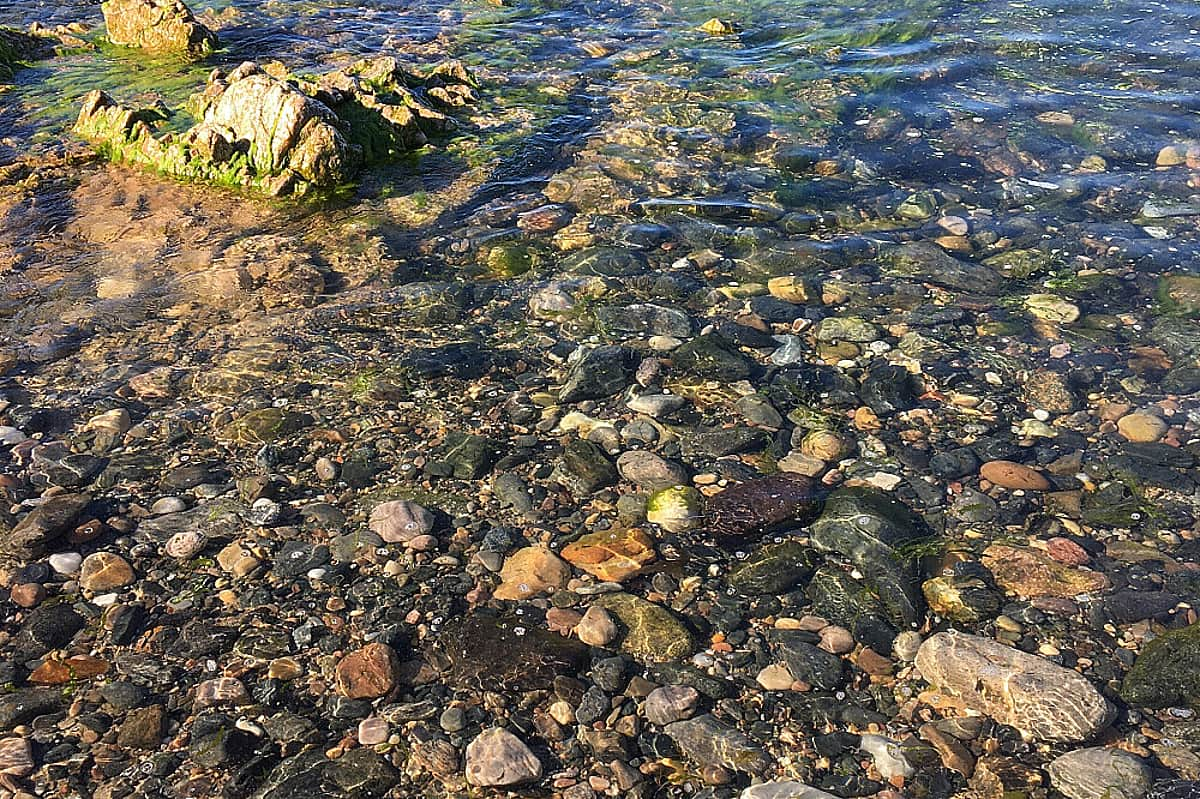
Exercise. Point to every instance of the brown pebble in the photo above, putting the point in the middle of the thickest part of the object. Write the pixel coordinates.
(27, 595)
(1013, 476)
(104, 571)
(1064, 550)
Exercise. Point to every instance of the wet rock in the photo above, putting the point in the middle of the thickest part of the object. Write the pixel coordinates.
(887, 755)
(611, 555)
(783, 789)
(954, 463)
(45, 628)
(1167, 671)
(842, 599)
(597, 627)
(889, 389)
(871, 530)
(651, 632)
(670, 703)
(1008, 474)
(142, 728)
(929, 263)
(597, 372)
(1050, 391)
(282, 136)
(16, 758)
(300, 775)
(220, 692)
(756, 506)
(368, 673)
(964, 598)
(24, 705)
(531, 571)
(705, 739)
(649, 471)
(605, 262)
(712, 356)
(470, 456)
(1029, 572)
(1175, 789)
(498, 758)
(584, 468)
(806, 662)
(1038, 697)
(362, 772)
(773, 569)
(157, 26)
(44, 524)
(676, 509)
(646, 319)
(1099, 773)
(1141, 427)
(493, 654)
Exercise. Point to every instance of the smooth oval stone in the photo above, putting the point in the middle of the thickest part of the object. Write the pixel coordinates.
(372, 731)
(1038, 697)
(104, 571)
(165, 505)
(65, 563)
(1014, 476)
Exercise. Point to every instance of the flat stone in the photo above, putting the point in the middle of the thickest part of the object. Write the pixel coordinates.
(400, 521)
(1141, 427)
(1038, 697)
(142, 728)
(650, 471)
(43, 525)
(611, 555)
(773, 569)
(670, 703)
(16, 757)
(652, 634)
(784, 789)
(706, 740)
(485, 652)
(1030, 572)
(498, 758)
(1099, 773)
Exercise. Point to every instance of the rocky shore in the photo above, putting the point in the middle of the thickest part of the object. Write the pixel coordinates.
(579, 476)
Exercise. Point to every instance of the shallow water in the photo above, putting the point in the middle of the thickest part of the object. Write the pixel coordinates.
(952, 97)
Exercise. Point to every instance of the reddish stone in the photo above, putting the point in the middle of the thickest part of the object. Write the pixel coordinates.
(1064, 550)
(368, 673)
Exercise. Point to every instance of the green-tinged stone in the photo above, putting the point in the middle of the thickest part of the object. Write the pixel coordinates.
(773, 569)
(1167, 672)
(485, 652)
(712, 356)
(652, 633)
(676, 509)
(1020, 264)
(264, 426)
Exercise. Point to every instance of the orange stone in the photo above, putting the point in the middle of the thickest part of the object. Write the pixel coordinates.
(76, 667)
(368, 673)
(611, 555)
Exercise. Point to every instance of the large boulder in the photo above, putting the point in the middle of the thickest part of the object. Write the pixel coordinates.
(268, 131)
(157, 26)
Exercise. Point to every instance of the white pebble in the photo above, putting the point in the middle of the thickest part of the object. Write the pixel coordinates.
(65, 562)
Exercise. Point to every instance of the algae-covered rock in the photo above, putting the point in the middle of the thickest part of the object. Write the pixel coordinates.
(17, 47)
(157, 26)
(283, 136)
(651, 632)
(1167, 672)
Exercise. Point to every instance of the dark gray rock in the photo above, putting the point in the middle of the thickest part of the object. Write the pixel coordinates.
(598, 373)
(806, 662)
(929, 263)
(43, 525)
(646, 319)
(871, 529)
(773, 569)
(712, 356)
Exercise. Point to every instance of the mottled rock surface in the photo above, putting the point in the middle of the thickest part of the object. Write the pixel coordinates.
(156, 26)
(1028, 692)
